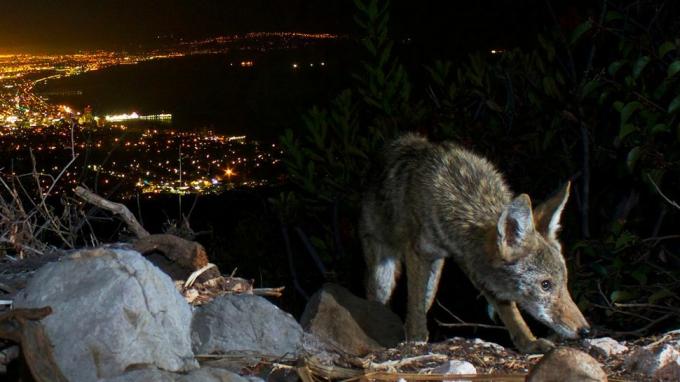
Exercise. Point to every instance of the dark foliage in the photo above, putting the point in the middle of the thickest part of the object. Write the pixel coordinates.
(596, 103)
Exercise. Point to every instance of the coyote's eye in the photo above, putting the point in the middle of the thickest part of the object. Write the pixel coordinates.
(546, 285)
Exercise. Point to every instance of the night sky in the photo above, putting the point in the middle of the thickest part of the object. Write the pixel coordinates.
(68, 25)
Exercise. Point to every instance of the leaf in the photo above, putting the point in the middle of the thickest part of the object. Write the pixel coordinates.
(674, 105)
(660, 128)
(599, 269)
(589, 87)
(625, 131)
(550, 87)
(640, 65)
(580, 30)
(613, 15)
(548, 47)
(633, 156)
(660, 295)
(628, 110)
(673, 69)
(615, 66)
(665, 48)
(640, 275)
(493, 106)
(360, 4)
(621, 296)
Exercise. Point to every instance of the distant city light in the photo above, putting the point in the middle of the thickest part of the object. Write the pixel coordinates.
(295, 66)
(497, 51)
(122, 117)
(134, 116)
(323, 63)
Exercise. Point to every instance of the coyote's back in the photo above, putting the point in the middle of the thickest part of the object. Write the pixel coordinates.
(433, 201)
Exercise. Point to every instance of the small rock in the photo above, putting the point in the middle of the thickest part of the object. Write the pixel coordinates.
(655, 361)
(245, 324)
(454, 367)
(605, 346)
(352, 324)
(485, 344)
(567, 365)
(204, 374)
(208, 374)
(112, 310)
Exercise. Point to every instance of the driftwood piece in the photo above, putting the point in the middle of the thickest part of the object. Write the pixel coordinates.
(176, 256)
(116, 208)
(20, 326)
(188, 254)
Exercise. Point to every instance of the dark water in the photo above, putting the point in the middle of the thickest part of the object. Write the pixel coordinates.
(214, 91)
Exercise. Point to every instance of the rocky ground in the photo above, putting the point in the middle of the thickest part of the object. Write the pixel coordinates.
(115, 317)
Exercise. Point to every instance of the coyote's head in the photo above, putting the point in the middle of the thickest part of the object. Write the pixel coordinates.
(533, 265)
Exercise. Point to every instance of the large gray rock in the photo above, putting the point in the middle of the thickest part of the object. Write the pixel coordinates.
(352, 324)
(246, 325)
(567, 365)
(659, 362)
(112, 311)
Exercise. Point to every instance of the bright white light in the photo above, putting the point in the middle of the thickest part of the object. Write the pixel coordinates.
(122, 117)
(295, 66)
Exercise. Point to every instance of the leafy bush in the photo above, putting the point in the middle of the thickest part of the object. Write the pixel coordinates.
(597, 105)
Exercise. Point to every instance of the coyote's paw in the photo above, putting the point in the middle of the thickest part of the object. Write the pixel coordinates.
(537, 346)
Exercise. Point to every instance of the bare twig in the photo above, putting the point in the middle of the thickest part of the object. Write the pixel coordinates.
(116, 208)
(461, 323)
(270, 292)
(669, 201)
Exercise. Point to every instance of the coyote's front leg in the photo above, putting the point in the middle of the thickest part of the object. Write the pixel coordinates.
(520, 333)
(423, 279)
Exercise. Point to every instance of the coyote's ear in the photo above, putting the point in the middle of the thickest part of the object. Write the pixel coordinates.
(515, 224)
(547, 215)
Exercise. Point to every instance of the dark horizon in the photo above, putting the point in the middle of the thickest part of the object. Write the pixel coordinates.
(48, 26)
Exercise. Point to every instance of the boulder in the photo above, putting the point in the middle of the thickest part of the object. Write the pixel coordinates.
(605, 346)
(112, 311)
(245, 325)
(656, 361)
(567, 365)
(349, 323)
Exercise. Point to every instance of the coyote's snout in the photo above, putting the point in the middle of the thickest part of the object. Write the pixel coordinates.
(436, 201)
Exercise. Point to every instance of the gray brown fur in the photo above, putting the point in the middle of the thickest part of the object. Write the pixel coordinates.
(433, 201)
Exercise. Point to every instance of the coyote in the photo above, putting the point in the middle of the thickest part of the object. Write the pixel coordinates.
(433, 201)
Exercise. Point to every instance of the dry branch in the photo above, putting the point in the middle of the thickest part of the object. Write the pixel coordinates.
(270, 292)
(313, 370)
(20, 326)
(116, 208)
